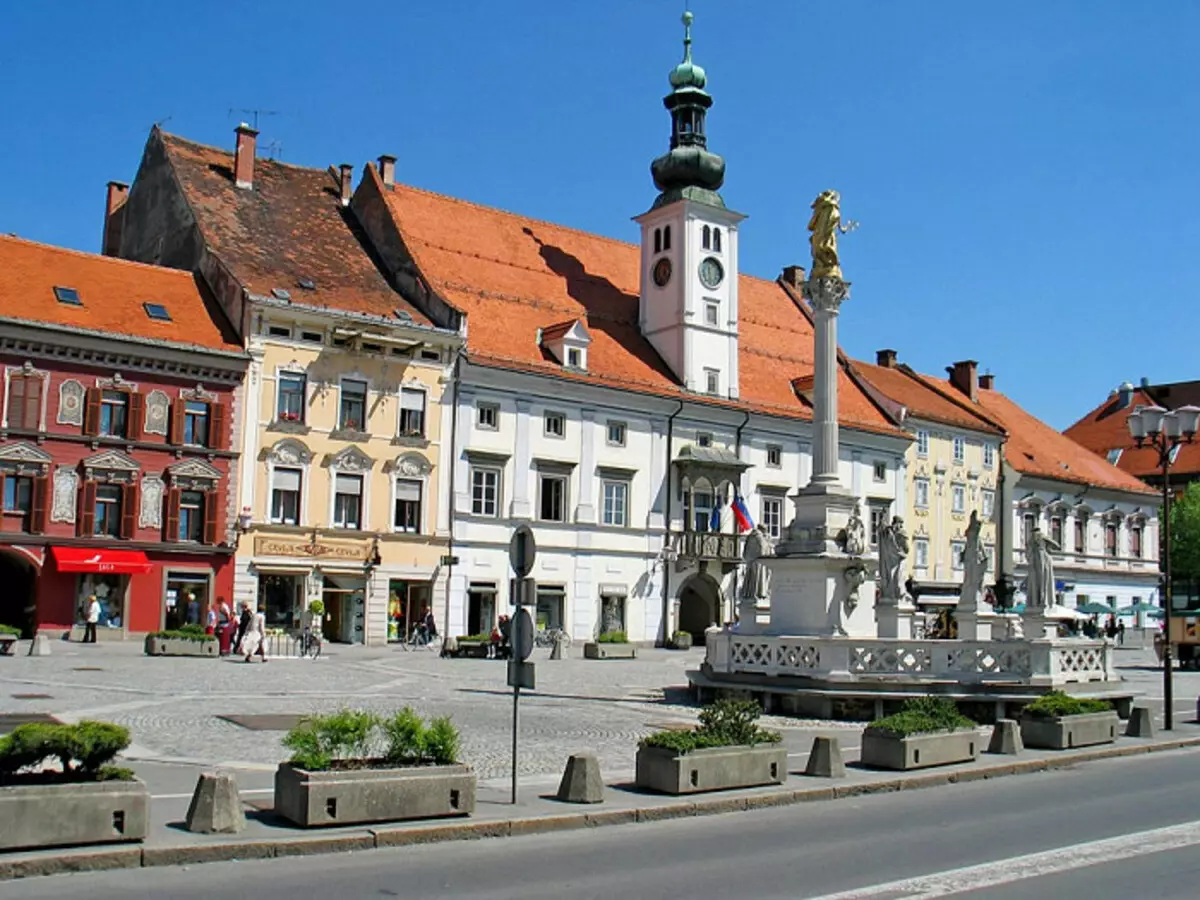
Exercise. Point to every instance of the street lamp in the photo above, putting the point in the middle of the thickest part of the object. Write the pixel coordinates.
(1165, 430)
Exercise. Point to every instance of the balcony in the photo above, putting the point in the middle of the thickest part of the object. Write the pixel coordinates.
(706, 546)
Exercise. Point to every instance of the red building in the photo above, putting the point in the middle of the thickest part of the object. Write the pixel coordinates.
(116, 467)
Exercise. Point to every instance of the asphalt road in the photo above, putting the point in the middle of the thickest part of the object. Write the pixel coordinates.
(1115, 829)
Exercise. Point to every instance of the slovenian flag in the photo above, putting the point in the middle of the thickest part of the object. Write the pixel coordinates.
(741, 515)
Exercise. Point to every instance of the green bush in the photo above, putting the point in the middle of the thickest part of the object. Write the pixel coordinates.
(9, 629)
(405, 733)
(726, 723)
(184, 634)
(612, 637)
(1056, 703)
(319, 742)
(350, 738)
(482, 638)
(441, 742)
(923, 715)
(317, 607)
(82, 750)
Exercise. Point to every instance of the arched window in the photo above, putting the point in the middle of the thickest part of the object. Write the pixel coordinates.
(667, 238)
(706, 238)
(658, 240)
(717, 239)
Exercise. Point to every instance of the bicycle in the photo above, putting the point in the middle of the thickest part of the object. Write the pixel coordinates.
(308, 644)
(421, 639)
(546, 637)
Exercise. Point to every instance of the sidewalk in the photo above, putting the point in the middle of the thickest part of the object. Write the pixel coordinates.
(265, 836)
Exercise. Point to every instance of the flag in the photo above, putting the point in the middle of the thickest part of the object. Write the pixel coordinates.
(741, 515)
(714, 520)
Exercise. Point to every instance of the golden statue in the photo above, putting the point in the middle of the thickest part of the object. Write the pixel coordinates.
(826, 225)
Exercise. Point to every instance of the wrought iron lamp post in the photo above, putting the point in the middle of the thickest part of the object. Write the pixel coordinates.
(1165, 430)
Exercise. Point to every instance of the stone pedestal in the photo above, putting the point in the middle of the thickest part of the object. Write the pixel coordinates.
(811, 595)
(976, 624)
(894, 619)
(1038, 627)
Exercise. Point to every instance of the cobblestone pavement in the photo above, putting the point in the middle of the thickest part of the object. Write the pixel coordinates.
(174, 705)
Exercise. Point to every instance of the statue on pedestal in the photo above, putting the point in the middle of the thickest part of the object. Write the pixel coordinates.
(826, 225)
(855, 543)
(893, 550)
(974, 566)
(756, 585)
(1039, 584)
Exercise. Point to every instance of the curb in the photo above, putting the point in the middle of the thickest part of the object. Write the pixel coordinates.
(97, 859)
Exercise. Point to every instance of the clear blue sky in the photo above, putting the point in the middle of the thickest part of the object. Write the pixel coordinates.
(1025, 172)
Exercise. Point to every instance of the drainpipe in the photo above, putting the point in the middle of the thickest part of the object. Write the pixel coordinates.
(666, 587)
(736, 571)
(453, 468)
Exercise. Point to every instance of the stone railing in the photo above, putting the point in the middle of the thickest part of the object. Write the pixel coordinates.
(1048, 662)
(707, 545)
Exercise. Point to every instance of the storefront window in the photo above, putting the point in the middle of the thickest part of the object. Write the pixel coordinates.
(187, 598)
(550, 600)
(110, 593)
(408, 602)
(281, 599)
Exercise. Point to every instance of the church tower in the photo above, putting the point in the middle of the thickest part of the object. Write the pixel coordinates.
(688, 306)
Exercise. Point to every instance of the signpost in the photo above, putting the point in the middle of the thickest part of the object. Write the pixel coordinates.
(522, 550)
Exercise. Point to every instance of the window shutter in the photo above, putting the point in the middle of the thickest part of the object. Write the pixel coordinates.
(41, 490)
(91, 411)
(16, 400)
(32, 418)
(172, 516)
(212, 504)
(87, 509)
(129, 502)
(216, 426)
(178, 411)
(137, 416)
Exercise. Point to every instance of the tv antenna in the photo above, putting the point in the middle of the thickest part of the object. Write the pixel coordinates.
(255, 113)
(274, 150)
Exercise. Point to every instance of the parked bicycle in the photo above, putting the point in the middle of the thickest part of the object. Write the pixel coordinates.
(308, 644)
(420, 639)
(546, 637)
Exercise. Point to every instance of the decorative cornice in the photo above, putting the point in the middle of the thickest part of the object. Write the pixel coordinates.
(106, 357)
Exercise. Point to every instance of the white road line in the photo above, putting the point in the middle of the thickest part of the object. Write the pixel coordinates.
(189, 796)
(1033, 865)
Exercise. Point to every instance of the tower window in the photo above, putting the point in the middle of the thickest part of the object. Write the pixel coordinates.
(658, 240)
(667, 238)
(706, 238)
(711, 312)
(717, 239)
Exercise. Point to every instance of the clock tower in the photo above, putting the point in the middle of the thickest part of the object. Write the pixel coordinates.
(688, 306)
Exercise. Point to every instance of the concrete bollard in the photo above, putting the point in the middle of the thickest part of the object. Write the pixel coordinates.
(1006, 738)
(825, 759)
(1140, 723)
(39, 646)
(216, 807)
(581, 782)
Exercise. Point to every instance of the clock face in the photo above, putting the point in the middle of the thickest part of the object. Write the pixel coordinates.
(662, 272)
(711, 272)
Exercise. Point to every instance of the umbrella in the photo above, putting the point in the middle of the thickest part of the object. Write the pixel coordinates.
(1094, 608)
(1135, 609)
(1155, 613)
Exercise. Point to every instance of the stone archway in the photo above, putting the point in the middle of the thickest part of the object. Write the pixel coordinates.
(18, 574)
(699, 606)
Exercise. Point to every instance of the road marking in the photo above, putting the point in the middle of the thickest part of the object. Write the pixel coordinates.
(189, 796)
(1033, 865)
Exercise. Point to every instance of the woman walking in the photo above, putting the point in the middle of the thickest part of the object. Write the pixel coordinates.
(255, 639)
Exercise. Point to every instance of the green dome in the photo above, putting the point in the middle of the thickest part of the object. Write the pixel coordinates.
(687, 73)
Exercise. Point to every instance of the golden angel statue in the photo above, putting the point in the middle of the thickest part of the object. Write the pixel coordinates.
(826, 225)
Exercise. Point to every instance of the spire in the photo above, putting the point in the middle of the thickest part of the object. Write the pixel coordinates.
(688, 170)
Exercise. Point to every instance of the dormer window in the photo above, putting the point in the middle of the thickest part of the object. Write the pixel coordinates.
(574, 358)
(568, 343)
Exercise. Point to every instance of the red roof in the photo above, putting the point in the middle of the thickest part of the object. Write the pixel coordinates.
(1106, 428)
(512, 275)
(290, 227)
(112, 293)
(907, 388)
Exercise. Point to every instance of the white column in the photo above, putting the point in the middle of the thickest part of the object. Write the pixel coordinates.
(826, 295)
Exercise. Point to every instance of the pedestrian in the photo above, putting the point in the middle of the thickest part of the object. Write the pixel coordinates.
(430, 625)
(210, 621)
(193, 609)
(91, 615)
(255, 638)
(1121, 633)
(244, 622)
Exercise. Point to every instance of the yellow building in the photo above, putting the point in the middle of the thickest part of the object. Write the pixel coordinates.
(953, 469)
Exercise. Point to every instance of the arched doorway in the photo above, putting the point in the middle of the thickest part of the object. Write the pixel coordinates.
(699, 606)
(18, 575)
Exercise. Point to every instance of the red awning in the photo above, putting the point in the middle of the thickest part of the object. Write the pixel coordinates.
(87, 559)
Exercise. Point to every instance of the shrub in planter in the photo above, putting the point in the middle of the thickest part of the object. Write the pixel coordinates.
(186, 633)
(612, 637)
(928, 731)
(1056, 704)
(9, 629)
(924, 715)
(317, 607)
(1057, 721)
(681, 640)
(83, 752)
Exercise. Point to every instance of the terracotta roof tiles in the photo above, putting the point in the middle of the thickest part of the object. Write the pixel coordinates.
(922, 401)
(1106, 428)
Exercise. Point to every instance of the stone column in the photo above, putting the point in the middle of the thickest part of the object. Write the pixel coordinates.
(826, 295)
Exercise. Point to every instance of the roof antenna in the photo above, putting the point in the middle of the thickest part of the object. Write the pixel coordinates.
(254, 112)
(161, 122)
(274, 150)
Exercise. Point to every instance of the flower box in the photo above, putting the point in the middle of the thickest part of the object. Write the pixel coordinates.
(596, 650)
(682, 640)
(162, 646)
(886, 750)
(59, 815)
(714, 769)
(357, 796)
(1064, 732)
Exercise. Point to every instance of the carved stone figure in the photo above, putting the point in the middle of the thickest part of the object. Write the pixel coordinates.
(826, 225)
(893, 550)
(974, 565)
(856, 533)
(757, 582)
(1039, 584)
(70, 403)
(854, 576)
(62, 503)
(158, 410)
(150, 513)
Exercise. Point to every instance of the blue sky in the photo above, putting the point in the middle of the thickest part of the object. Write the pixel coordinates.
(1025, 173)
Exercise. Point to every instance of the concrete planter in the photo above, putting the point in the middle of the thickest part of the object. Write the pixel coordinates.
(58, 815)
(882, 750)
(373, 795)
(470, 649)
(681, 641)
(593, 650)
(717, 769)
(1063, 732)
(158, 646)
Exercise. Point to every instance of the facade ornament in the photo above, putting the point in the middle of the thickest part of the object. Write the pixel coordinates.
(24, 458)
(158, 411)
(117, 382)
(115, 465)
(1039, 584)
(70, 403)
(198, 393)
(893, 550)
(65, 491)
(855, 543)
(350, 460)
(411, 465)
(854, 575)
(150, 513)
(289, 452)
(756, 586)
(194, 473)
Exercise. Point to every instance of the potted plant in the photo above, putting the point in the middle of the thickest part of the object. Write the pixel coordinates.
(1057, 721)
(472, 646)
(189, 640)
(928, 731)
(726, 750)
(610, 645)
(681, 640)
(58, 787)
(354, 766)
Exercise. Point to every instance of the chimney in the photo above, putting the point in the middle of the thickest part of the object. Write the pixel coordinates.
(345, 180)
(794, 276)
(1124, 395)
(1145, 382)
(243, 156)
(987, 382)
(387, 170)
(885, 358)
(114, 218)
(964, 376)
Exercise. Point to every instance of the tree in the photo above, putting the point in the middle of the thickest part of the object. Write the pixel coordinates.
(1185, 535)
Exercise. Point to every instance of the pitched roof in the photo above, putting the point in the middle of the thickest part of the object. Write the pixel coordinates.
(289, 227)
(905, 387)
(111, 296)
(1106, 428)
(512, 275)
(1034, 448)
